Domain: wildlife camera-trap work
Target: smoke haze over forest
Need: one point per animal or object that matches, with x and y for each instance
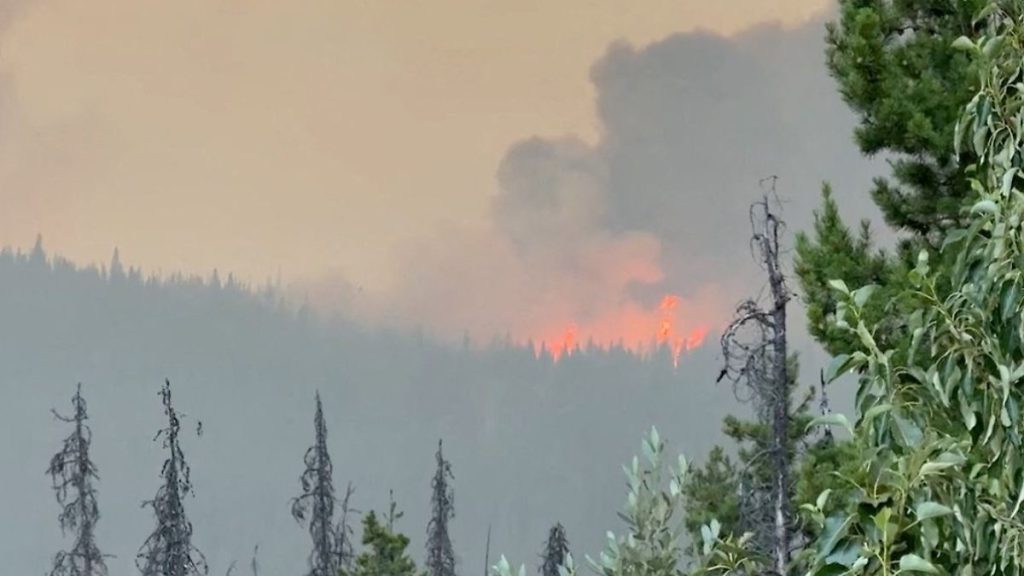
(586, 225)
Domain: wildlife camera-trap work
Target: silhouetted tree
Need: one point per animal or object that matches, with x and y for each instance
(73, 472)
(440, 556)
(756, 356)
(168, 551)
(343, 547)
(315, 506)
(555, 551)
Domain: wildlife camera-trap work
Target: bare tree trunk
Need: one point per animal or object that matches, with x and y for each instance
(487, 552)
(769, 239)
(756, 355)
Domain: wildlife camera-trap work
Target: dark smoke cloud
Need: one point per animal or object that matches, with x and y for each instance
(598, 233)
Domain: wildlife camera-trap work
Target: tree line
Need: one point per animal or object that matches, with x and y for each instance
(169, 551)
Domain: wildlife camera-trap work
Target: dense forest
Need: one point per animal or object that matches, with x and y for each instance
(248, 366)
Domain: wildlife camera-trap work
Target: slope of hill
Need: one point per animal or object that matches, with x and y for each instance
(532, 442)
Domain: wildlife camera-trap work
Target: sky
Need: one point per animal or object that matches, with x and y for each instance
(353, 149)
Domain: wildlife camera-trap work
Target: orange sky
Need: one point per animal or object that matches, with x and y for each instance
(300, 137)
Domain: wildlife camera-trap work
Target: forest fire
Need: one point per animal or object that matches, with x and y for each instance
(636, 330)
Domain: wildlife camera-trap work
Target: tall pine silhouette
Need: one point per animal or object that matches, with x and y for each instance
(440, 556)
(73, 473)
(315, 506)
(168, 551)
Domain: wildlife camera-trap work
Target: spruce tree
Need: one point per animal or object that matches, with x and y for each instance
(168, 551)
(896, 67)
(315, 505)
(440, 555)
(556, 550)
(385, 554)
(73, 473)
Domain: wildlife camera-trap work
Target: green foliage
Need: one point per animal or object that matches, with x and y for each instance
(834, 252)
(385, 554)
(735, 494)
(653, 517)
(712, 493)
(897, 68)
(940, 483)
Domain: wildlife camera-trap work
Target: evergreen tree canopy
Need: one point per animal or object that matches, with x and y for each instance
(896, 68)
(940, 432)
(385, 554)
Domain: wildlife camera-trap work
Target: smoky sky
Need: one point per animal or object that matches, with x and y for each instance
(596, 234)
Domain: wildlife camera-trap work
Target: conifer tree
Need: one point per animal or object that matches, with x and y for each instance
(168, 551)
(556, 550)
(73, 473)
(897, 69)
(385, 554)
(315, 506)
(440, 555)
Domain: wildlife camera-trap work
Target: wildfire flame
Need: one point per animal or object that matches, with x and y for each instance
(636, 330)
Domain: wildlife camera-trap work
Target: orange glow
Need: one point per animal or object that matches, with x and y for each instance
(640, 331)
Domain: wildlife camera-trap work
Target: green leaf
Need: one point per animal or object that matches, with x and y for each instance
(822, 499)
(914, 563)
(839, 285)
(964, 43)
(944, 461)
(984, 207)
(861, 295)
(834, 419)
(835, 529)
(844, 555)
(875, 410)
(839, 365)
(926, 510)
(1008, 180)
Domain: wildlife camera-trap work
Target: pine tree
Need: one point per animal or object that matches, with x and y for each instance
(315, 506)
(168, 551)
(896, 67)
(556, 550)
(440, 555)
(73, 473)
(385, 555)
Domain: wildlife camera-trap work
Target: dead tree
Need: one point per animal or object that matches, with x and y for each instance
(825, 410)
(253, 565)
(487, 552)
(73, 473)
(315, 506)
(168, 551)
(755, 354)
(440, 555)
(343, 532)
(556, 549)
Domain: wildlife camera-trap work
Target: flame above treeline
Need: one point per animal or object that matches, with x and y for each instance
(634, 329)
